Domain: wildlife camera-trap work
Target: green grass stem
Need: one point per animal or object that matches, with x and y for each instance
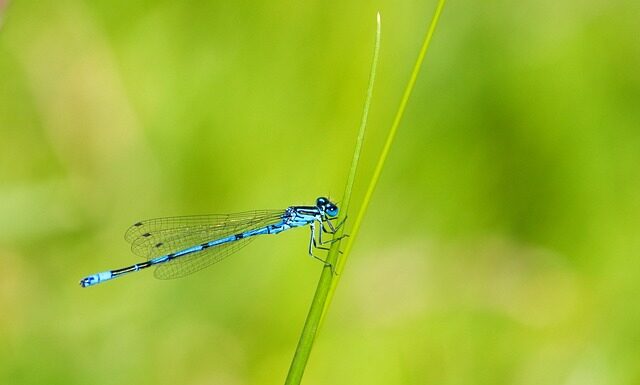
(383, 156)
(328, 280)
(312, 323)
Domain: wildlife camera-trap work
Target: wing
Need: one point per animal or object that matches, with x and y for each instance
(162, 236)
(190, 263)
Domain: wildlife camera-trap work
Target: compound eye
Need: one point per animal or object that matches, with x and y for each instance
(321, 201)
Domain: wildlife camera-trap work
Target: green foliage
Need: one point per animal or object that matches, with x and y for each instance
(500, 247)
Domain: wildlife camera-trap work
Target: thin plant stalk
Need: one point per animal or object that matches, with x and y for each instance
(383, 155)
(328, 280)
(312, 323)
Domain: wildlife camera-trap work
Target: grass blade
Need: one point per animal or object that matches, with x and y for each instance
(328, 281)
(383, 155)
(312, 323)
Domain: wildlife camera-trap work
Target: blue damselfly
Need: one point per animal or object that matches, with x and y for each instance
(180, 246)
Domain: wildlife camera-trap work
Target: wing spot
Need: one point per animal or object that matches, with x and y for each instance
(159, 244)
(146, 235)
(138, 224)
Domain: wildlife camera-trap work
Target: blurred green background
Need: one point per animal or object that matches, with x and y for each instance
(501, 247)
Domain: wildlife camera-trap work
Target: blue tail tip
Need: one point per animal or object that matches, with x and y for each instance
(96, 278)
(89, 281)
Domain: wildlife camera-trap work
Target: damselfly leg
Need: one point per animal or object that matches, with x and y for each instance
(332, 230)
(313, 244)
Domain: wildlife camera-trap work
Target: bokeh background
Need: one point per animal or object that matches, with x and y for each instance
(501, 247)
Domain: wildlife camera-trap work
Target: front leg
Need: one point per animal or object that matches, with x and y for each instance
(312, 245)
(333, 231)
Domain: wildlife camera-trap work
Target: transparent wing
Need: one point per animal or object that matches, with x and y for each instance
(190, 263)
(162, 236)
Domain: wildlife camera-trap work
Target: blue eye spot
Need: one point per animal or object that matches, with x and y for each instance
(332, 211)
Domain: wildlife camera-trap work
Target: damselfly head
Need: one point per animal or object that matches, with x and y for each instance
(327, 206)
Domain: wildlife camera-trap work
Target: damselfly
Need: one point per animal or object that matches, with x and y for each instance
(180, 246)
